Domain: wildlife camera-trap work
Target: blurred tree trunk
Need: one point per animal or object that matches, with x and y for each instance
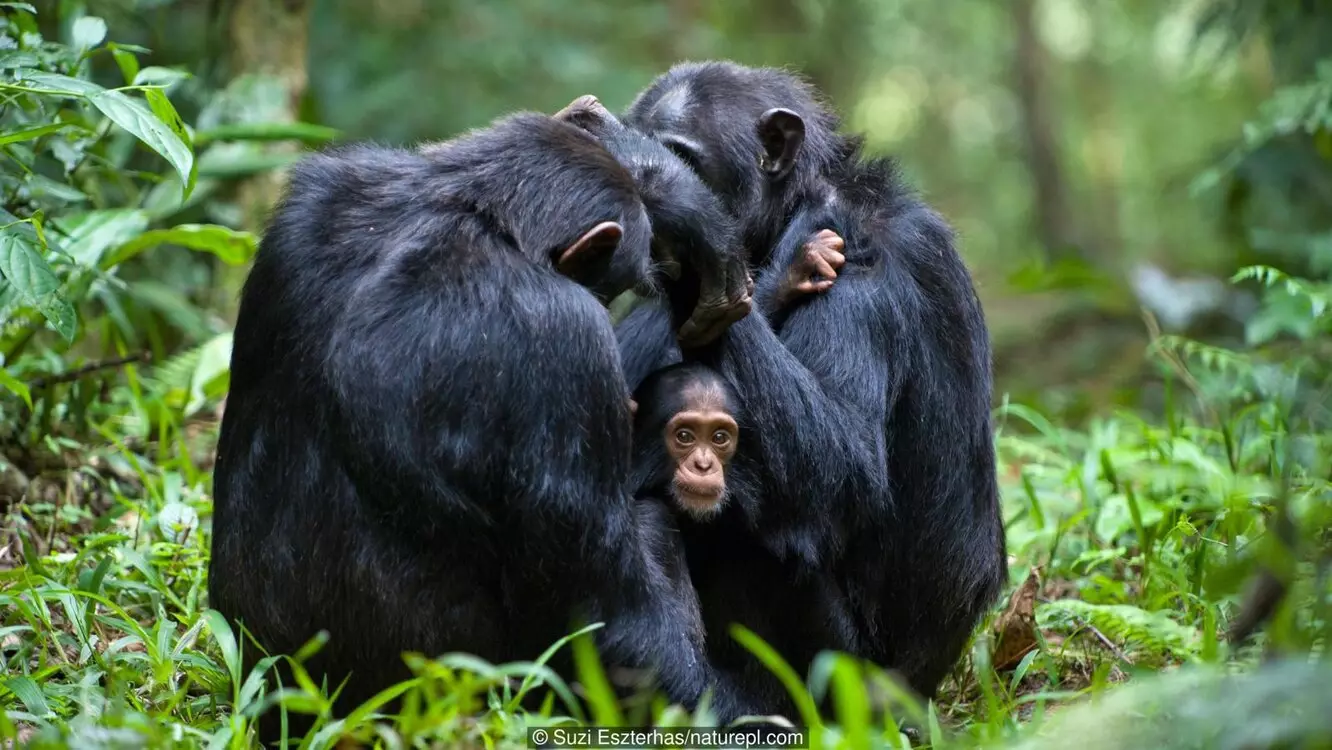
(269, 38)
(1053, 225)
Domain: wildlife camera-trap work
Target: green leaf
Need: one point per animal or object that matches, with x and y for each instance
(87, 32)
(14, 58)
(19, 6)
(232, 246)
(786, 674)
(126, 61)
(58, 85)
(42, 187)
(269, 131)
(15, 386)
(226, 643)
(138, 120)
(91, 234)
(36, 283)
(29, 134)
(155, 75)
(233, 165)
(30, 694)
(596, 687)
(166, 113)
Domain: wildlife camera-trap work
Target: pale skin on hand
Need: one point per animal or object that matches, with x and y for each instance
(815, 268)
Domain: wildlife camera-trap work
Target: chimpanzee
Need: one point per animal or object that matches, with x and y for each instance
(685, 437)
(686, 429)
(868, 405)
(427, 441)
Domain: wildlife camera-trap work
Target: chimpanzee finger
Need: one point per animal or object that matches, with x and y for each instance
(813, 287)
(834, 258)
(823, 268)
(829, 239)
(711, 318)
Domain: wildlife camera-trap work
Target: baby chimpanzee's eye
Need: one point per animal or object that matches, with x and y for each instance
(684, 437)
(721, 437)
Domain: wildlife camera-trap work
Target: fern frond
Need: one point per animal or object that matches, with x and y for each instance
(1131, 627)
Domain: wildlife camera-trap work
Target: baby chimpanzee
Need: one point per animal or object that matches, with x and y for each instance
(685, 434)
(686, 428)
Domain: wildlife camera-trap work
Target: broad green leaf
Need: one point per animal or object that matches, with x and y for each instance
(177, 521)
(87, 32)
(92, 233)
(19, 6)
(15, 386)
(9, 299)
(144, 125)
(59, 85)
(13, 58)
(31, 133)
(33, 279)
(232, 246)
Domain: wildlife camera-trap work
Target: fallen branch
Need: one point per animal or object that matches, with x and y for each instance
(106, 364)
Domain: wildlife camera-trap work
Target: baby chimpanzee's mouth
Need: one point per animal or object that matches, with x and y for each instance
(699, 497)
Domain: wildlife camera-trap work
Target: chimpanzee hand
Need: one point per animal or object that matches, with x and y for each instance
(815, 267)
(719, 305)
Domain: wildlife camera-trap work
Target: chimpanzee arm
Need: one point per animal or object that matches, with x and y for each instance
(646, 338)
(816, 421)
(894, 353)
(691, 222)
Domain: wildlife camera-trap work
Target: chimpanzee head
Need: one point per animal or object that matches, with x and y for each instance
(759, 137)
(560, 195)
(686, 430)
(695, 242)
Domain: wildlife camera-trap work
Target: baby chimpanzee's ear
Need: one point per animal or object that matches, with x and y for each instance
(782, 134)
(590, 250)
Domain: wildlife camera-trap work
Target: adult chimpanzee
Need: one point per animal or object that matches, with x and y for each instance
(427, 440)
(868, 403)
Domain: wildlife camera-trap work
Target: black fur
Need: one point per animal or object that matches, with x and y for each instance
(876, 528)
(426, 445)
(690, 227)
(664, 525)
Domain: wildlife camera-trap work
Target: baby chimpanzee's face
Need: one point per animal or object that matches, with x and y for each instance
(701, 438)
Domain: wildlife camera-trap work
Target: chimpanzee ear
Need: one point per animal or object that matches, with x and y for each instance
(586, 112)
(601, 240)
(782, 134)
